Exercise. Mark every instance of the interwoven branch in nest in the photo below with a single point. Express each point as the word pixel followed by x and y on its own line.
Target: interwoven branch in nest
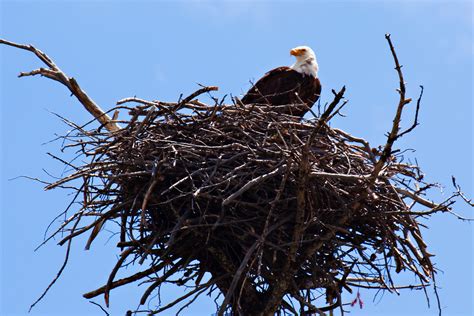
pixel 265 208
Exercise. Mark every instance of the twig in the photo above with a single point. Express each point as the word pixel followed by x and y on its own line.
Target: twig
pixel 193 95
pixel 100 306
pixel 236 278
pixel 66 258
pixel 415 122
pixel 251 184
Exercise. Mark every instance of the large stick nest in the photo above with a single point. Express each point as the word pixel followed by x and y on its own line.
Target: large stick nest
pixel 266 210
pixel 268 205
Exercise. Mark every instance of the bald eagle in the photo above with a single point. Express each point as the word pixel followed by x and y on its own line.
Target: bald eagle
pixel 297 85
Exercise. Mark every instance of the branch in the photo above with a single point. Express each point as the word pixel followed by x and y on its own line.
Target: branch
pixel 100 306
pixel 349 177
pixel 55 73
pixel 417 198
pixel 251 184
pixel 393 135
pixel 326 115
pixel 60 272
pixel 193 95
pixel 236 278
pixel 460 193
pixel 415 123
pixel 337 97
pixel 114 284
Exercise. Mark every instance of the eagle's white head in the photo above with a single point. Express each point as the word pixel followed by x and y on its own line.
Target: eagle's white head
pixel 306 62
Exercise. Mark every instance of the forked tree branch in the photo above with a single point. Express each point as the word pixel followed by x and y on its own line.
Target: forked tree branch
pixel 393 135
pixel 55 73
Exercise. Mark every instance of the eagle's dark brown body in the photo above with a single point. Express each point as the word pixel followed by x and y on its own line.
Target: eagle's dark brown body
pixel 282 86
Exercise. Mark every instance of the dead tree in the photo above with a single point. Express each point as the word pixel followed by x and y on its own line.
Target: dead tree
pixel 283 214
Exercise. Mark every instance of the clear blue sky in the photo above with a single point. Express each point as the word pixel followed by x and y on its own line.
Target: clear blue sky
pixel 159 50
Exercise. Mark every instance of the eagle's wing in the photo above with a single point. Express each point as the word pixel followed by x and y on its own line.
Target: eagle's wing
pixel 274 87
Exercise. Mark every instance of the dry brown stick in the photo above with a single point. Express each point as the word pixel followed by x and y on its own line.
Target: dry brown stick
pixel 438 300
pixel 324 117
pixel 270 213
pixel 55 73
pixel 117 266
pixel 66 259
pixel 97 228
pixel 132 278
pixel 145 202
pixel 75 175
pixel 337 111
pixel 312 308
pixel 236 278
pixel 393 135
pixel 199 288
pixel 419 199
pixel 362 141
pixel 251 184
pixel 137 100
pixel 350 177
pixel 175 267
pixel 287 272
pixel 100 306
pixel 415 122
pixel 193 95
pixel 383 287
pixel 96 224
pixel 460 193
pixel 337 97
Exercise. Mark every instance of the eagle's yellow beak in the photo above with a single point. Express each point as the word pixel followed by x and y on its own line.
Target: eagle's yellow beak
pixel 296 52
